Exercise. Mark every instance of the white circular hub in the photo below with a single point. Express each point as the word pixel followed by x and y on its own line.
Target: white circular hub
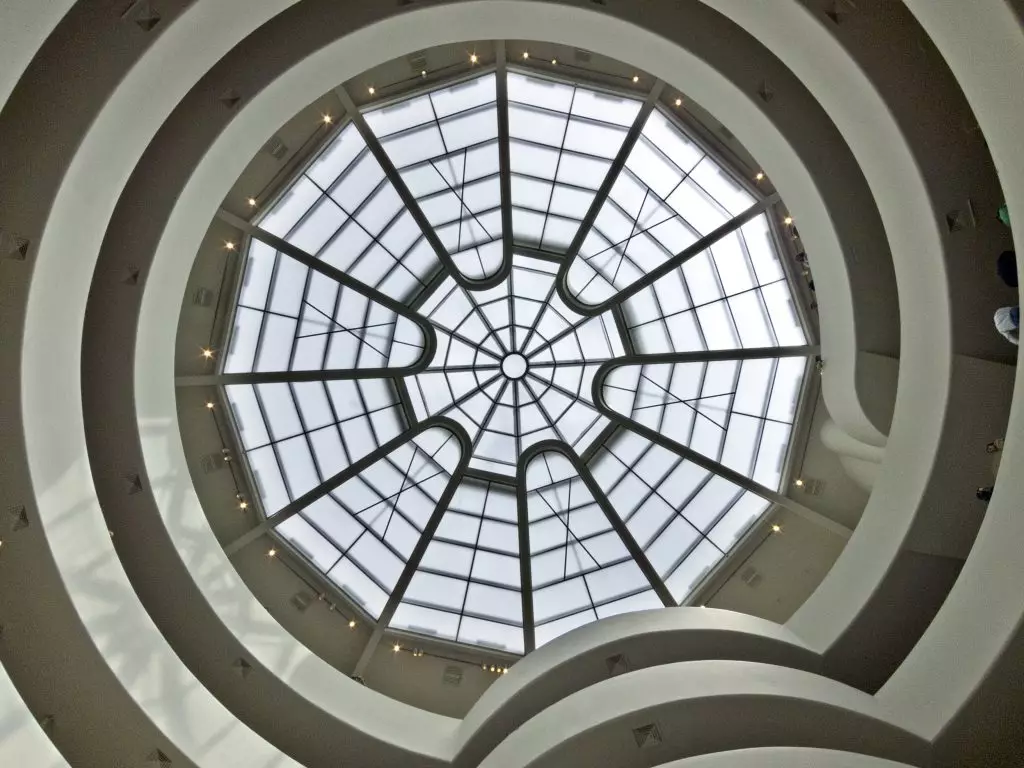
pixel 514 366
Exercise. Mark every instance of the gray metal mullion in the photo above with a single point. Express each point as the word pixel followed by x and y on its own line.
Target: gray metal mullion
pixel 504 156
pixel 717 468
pixel 429 339
pixel 665 268
pixel 428 532
pixel 628 142
pixel 489 414
pixel 558 164
pixel 620 528
pixel 355 468
pixel 408 199
pixel 523 519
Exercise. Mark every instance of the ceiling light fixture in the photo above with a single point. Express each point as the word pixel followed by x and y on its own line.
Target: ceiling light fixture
pixel 760 176
pixel 799 483
pixel 423 73
pixel 372 90
pixel 351 623
pixel 243 505
pixel 526 54
pixel 788 221
pixel 473 58
pixel 207 353
pixel 328 119
pixel 776 528
pixel 229 245
pixel 271 552
pixel 636 78
pixel 396 648
pixel 679 102
pixel 554 62
pixel 209 405
pixel 252 202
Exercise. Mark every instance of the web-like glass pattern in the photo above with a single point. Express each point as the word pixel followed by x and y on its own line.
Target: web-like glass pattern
pixel 495 452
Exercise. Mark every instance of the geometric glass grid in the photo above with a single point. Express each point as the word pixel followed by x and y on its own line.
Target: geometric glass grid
pixel 737 412
pixel 562 140
pixel 419 417
pixel 684 517
pixel 484 335
pixel 581 569
pixel 669 195
pixel 445 146
pixel 467 587
pixel 366 528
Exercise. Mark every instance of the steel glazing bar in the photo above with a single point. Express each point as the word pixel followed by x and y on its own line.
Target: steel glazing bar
pixel 630 140
pixel 409 200
pixel 617 523
pixel 355 468
pixel 275 242
pixel 693 456
pixel 413 563
pixel 504 156
pixel 592 310
pixel 523 519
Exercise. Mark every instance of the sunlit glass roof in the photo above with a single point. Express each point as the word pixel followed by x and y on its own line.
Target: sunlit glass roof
pixel 513 355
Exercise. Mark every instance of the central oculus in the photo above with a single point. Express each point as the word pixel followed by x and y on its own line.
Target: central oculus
pixel 514 366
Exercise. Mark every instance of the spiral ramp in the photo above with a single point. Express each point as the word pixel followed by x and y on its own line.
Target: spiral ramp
pixel 123 620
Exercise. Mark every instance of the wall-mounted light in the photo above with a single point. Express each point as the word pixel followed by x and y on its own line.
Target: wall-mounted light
pixel 799 483
pixel 207 353
pixel 679 102
pixel 554 62
pixel 396 648
pixel 526 54
pixel 372 90
pixel 229 245
pixel 759 176
pixel 271 552
pixel 252 202
pixel 209 405
pixel 352 624
pixel 788 221
pixel 327 119
pixel 473 58
pixel 636 78
pixel 776 528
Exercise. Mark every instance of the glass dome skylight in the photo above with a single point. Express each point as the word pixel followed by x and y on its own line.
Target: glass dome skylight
pixel 511 356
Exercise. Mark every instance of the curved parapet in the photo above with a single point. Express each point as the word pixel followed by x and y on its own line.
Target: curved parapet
pixel 783 757
pixel 615 646
pixel 701 707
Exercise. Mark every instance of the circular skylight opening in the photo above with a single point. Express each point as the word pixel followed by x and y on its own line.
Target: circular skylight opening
pixel 514 366
pixel 498 378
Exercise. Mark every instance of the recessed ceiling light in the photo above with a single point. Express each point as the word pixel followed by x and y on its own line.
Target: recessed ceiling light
pixel 208 353
pixel 473 59
pixel 788 220
pixel 372 90
pixel 760 176
pixel 554 61
pixel 679 102
pixel 252 202
pixel 636 78
pixel 209 404
pixel 526 54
